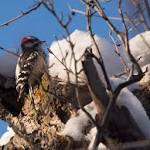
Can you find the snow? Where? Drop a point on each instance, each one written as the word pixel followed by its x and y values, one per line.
pixel 118 80
pixel 8 64
pixel 136 109
pixel 127 99
pixel 78 123
pixel 140 46
pixel 146 77
pixel 82 40
pixel 5 138
pixel 91 137
pixel 75 126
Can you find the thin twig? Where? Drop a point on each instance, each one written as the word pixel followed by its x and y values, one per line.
pixel 51 52
pixel 137 4
pixel 63 59
pixel 80 12
pixel 8 51
pixel 126 42
pixel 22 14
pixel 147 5
pixel 100 59
pixel 138 31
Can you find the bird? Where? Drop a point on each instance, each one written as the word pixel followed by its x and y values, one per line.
pixel 30 67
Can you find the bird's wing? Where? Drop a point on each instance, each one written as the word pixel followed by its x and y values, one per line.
pixel 23 71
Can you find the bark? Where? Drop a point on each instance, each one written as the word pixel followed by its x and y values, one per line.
pixel 119 124
pixel 39 121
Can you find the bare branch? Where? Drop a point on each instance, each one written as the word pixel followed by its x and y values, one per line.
pixel 8 51
pixel 102 13
pixel 51 9
pixel 99 60
pixel 126 42
pixel 80 12
pixel 137 30
pixel 118 53
pixel 147 5
pixel 22 14
pixel 137 4
pixel 60 61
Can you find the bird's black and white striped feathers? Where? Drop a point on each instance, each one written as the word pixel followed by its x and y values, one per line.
pixel 30 67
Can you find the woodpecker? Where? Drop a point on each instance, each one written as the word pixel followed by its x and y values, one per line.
pixel 31 65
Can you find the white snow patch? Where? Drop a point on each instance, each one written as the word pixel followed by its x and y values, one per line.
pixel 140 46
pixel 75 126
pixel 5 138
pixel 127 99
pixel 91 137
pixel 118 80
pixel 82 40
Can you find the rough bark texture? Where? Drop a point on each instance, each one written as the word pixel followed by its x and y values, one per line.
pixel 42 118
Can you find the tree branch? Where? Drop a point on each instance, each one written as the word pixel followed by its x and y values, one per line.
pixel 22 14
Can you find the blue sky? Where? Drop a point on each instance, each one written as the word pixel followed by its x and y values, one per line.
pixel 42 24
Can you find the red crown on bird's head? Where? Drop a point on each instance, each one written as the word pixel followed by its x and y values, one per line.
pixel 26 39
pixel 30 39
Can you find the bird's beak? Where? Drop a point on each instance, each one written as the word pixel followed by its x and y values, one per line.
pixel 42 42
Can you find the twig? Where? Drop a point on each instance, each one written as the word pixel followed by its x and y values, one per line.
pixel 8 51
pixel 102 13
pixel 50 51
pixel 22 14
pixel 138 31
pixel 126 42
pixel 133 78
pixel 99 60
pixel 80 12
pixel 51 9
pixel 63 58
pixel 118 53
pixel 141 14
pixel 147 5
